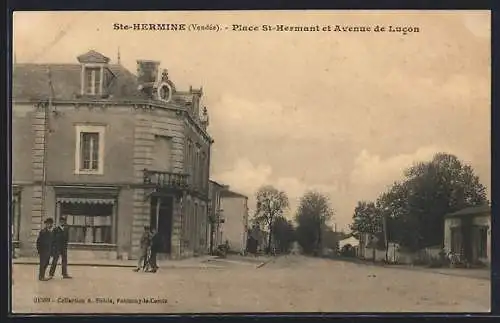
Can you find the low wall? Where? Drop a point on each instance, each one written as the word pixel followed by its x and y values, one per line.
pixel 395 255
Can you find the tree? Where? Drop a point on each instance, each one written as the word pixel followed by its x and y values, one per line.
pixel 415 208
pixel 283 234
pixel 367 219
pixel 271 203
pixel 313 212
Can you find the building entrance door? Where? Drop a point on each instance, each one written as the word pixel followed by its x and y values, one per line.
pixel 161 220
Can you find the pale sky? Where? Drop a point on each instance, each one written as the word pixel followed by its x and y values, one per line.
pixel 343 113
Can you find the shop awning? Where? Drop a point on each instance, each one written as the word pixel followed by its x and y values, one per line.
pixel 81 200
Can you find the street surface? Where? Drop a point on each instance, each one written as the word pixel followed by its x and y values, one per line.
pixel 286 284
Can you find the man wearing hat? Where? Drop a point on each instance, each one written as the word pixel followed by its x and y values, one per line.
pixel 44 244
pixel 60 248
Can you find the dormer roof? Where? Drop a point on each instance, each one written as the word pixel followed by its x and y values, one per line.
pixel 93 57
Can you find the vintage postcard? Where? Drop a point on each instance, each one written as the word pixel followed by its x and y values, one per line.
pixel 251 161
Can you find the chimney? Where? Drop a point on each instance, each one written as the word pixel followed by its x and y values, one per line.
pixel 147 72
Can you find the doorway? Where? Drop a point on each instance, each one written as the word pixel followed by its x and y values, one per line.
pixel 163 207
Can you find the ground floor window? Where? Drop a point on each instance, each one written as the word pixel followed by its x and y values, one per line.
pixel 483 242
pixel 89 223
pixel 16 215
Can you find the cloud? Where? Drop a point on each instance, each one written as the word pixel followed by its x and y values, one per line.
pixel 372 170
pixel 247 178
pixel 267 118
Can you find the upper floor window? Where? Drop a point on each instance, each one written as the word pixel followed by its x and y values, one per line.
pixel 89 150
pixel 93 79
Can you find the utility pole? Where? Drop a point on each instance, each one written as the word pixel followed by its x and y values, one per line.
pixel 47 109
pixel 384 218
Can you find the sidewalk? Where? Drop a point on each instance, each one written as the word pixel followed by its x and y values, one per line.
pixel 195 262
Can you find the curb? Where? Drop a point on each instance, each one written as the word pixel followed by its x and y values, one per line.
pixel 171 266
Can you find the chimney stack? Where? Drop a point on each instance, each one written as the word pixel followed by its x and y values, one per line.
pixel 147 71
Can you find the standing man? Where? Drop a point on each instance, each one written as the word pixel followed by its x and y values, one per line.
pixel 156 243
pixel 60 248
pixel 44 244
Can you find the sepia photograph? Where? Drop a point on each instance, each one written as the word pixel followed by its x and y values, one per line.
pixel 174 162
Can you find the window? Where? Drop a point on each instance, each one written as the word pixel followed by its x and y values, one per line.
pixel 483 242
pixel 185 223
pixel 162 153
pixel 195 227
pixel 16 215
pixel 89 142
pixel 92 80
pixel 89 149
pixel 89 223
pixel 197 170
pixel 188 160
pixel 204 171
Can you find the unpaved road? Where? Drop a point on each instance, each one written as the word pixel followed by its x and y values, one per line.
pixel 287 284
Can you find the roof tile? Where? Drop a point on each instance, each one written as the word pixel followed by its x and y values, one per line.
pixel 31 81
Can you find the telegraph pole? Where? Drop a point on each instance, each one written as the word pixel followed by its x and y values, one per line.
pixel 47 109
pixel 384 218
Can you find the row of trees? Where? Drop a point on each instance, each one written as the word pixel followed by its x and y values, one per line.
pixel 411 212
pixel 312 215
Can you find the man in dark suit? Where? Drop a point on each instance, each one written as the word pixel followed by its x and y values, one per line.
pixel 44 244
pixel 156 244
pixel 60 248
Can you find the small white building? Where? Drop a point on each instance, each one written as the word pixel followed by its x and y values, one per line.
pixel 468 233
pixel 234 228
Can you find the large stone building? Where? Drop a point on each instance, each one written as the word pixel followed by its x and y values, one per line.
pixel 112 151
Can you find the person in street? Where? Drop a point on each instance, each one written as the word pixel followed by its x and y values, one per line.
pixel 145 243
pixel 44 244
pixel 60 248
pixel 156 243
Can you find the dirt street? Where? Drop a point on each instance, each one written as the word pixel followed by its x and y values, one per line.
pixel 287 284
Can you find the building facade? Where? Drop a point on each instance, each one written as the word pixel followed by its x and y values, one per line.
pixel 468 234
pixel 111 150
pixel 235 227
pixel 216 219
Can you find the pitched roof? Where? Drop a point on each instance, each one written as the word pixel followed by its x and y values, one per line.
pixel 229 193
pixel 31 81
pixel 471 211
pixel 218 184
pixel 93 57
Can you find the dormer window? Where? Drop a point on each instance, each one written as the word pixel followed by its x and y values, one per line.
pixel 94 69
pixel 93 81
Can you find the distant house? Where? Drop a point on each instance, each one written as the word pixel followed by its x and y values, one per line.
pixel 235 227
pixel 468 233
pixel 214 231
